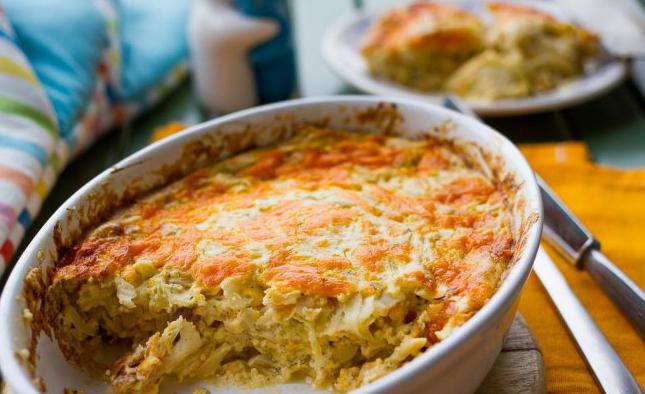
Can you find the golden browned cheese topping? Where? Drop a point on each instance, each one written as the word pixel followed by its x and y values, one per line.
pixel 512 11
pixel 326 213
pixel 424 25
pixel 506 14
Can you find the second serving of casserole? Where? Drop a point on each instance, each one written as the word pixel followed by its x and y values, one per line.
pixel 519 51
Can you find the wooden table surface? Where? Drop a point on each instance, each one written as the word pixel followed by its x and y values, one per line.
pixel 613 126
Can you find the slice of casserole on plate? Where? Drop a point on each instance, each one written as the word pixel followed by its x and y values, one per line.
pixel 421 44
pixel 528 51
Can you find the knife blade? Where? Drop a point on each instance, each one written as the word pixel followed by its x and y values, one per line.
pixel 572 240
pixel 607 367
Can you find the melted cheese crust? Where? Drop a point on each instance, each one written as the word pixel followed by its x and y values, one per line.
pixel 420 44
pixel 330 229
pixel 425 26
pixel 326 214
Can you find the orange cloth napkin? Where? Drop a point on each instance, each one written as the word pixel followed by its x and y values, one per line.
pixel 611 203
pixel 166 130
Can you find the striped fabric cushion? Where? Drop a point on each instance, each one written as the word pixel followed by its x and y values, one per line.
pixel 28 137
pixel 33 150
pixel 64 41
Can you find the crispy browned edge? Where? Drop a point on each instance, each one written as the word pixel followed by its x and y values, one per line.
pixel 382 116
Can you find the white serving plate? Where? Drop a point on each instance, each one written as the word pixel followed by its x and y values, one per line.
pixel 341 50
pixel 457 365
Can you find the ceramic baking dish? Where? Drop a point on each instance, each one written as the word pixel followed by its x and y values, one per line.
pixel 456 365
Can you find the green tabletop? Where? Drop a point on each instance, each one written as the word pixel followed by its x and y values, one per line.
pixel 612 126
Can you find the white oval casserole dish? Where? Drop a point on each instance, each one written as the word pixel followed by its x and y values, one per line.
pixel 458 364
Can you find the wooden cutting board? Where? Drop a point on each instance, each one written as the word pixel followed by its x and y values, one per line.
pixel 518 369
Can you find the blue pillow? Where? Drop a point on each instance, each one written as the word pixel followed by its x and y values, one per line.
pixel 64 41
pixel 153 43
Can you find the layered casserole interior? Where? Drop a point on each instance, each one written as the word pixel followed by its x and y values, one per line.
pixel 420 45
pixel 521 52
pixel 333 257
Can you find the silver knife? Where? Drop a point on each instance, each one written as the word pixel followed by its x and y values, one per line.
pixel 570 238
pixel 607 367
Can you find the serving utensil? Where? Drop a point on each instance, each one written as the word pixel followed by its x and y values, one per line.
pixel 607 367
pixel 570 238
pixel 577 245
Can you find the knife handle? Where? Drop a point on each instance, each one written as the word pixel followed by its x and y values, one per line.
pixel 562 229
pixel 623 291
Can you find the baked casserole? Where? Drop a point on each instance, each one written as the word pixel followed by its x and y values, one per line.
pixel 523 51
pixel 529 52
pixel 421 44
pixel 333 257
